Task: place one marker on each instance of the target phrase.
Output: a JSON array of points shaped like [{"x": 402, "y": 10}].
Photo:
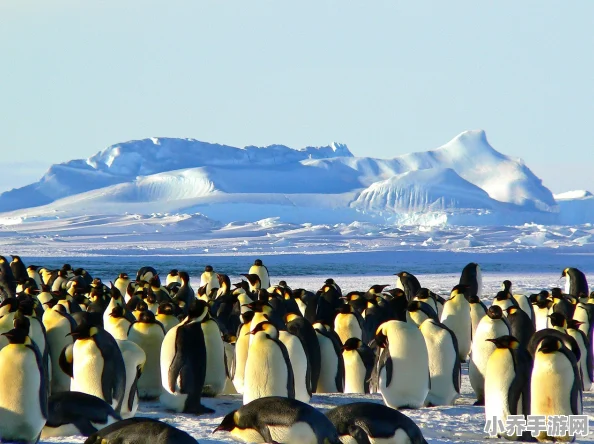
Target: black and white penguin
[
  {"x": 368, "y": 422},
  {"x": 75, "y": 413},
  {"x": 556, "y": 386},
  {"x": 172, "y": 277},
  {"x": 214, "y": 382},
  {"x": 121, "y": 283},
  {"x": 183, "y": 363},
  {"x": 561, "y": 303},
  {"x": 144, "y": 274},
  {"x": 241, "y": 350},
  {"x": 358, "y": 364},
  {"x": 504, "y": 300},
  {"x": 58, "y": 328},
  {"x": 166, "y": 316},
  {"x": 19, "y": 271},
  {"x": 331, "y": 378},
  {"x": 185, "y": 294},
  {"x": 299, "y": 364},
  {"x": 116, "y": 323},
  {"x": 585, "y": 363},
  {"x": 140, "y": 431},
  {"x": 268, "y": 370},
  {"x": 148, "y": 334},
  {"x": 507, "y": 381},
  {"x": 408, "y": 283},
  {"x": 23, "y": 390},
  {"x": 472, "y": 277},
  {"x": 418, "y": 311},
  {"x": 402, "y": 372},
  {"x": 427, "y": 296},
  {"x": 280, "y": 420},
  {"x": 348, "y": 323},
  {"x": 134, "y": 359},
  {"x": 95, "y": 363},
  {"x": 303, "y": 329},
  {"x": 260, "y": 269},
  {"x": 477, "y": 310},
  {"x": 209, "y": 279},
  {"x": 558, "y": 330},
  {"x": 456, "y": 317},
  {"x": 492, "y": 326},
  {"x": 444, "y": 363},
  {"x": 542, "y": 308},
  {"x": 520, "y": 324},
  {"x": 576, "y": 283}
]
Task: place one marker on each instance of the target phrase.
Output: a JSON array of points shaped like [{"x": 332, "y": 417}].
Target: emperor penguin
[
  {"x": 140, "y": 431},
  {"x": 75, "y": 413},
  {"x": 472, "y": 277},
  {"x": 148, "y": 334},
  {"x": 303, "y": 329},
  {"x": 281, "y": 420},
  {"x": 358, "y": 365},
  {"x": 576, "y": 283},
  {"x": 368, "y": 422},
  {"x": 331, "y": 378},
  {"x": 116, "y": 324},
  {"x": 456, "y": 317},
  {"x": 584, "y": 314},
  {"x": 185, "y": 294},
  {"x": 562, "y": 303},
  {"x": 402, "y": 371},
  {"x": 523, "y": 303},
  {"x": 260, "y": 269},
  {"x": 507, "y": 381},
  {"x": 444, "y": 363},
  {"x": 58, "y": 328},
  {"x": 542, "y": 308},
  {"x": 134, "y": 359},
  {"x": 491, "y": 326},
  {"x": 23, "y": 393},
  {"x": 585, "y": 362},
  {"x": 427, "y": 296},
  {"x": 121, "y": 283},
  {"x": 558, "y": 330},
  {"x": 166, "y": 316},
  {"x": 95, "y": 364},
  {"x": 214, "y": 382},
  {"x": 183, "y": 363},
  {"x": 477, "y": 310},
  {"x": 408, "y": 283},
  {"x": 241, "y": 350},
  {"x": 34, "y": 274},
  {"x": 209, "y": 279},
  {"x": 19, "y": 271},
  {"x": 60, "y": 282},
  {"x": 348, "y": 323},
  {"x": 144, "y": 274},
  {"x": 299, "y": 364},
  {"x": 418, "y": 311},
  {"x": 520, "y": 324},
  {"x": 555, "y": 386},
  {"x": 268, "y": 369},
  {"x": 504, "y": 300},
  {"x": 173, "y": 276}
]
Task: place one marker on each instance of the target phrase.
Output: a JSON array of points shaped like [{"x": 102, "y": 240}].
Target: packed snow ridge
[{"x": 464, "y": 182}]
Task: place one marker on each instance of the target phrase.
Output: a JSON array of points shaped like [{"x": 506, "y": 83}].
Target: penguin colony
[{"x": 77, "y": 355}]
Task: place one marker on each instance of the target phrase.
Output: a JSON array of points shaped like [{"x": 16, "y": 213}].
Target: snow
[
  {"x": 461, "y": 423},
  {"x": 575, "y": 194},
  {"x": 464, "y": 182}
]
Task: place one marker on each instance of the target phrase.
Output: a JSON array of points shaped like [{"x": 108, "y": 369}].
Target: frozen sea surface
[{"x": 461, "y": 423}]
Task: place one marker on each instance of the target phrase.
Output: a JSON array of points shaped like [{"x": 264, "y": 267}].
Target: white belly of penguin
[
  {"x": 498, "y": 379},
  {"x": 241, "y": 354},
  {"x": 442, "y": 359},
  {"x": 552, "y": 379},
  {"x": 328, "y": 367},
  {"x": 150, "y": 338},
  {"x": 216, "y": 375},
  {"x": 173, "y": 400},
  {"x": 265, "y": 370},
  {"x": 298, "y": 360},
  {"x": 87, "y": 369},
  {"x": 301, "y": 305},
  {"x": 355, "y": 372},
  {"x": 541, "y": 320},
  {"x": 298, "y": 433},
  {"x": 20, "y": 412},
  {"x": 400, "y": 437},
  {"x": 346, "y": 327},
  {"x": 457, "y": 318}
]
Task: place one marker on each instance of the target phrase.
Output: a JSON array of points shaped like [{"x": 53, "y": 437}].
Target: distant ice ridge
[{"x": 464, "y": 182}]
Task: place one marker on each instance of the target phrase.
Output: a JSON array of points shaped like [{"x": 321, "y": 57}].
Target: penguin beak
[{"x": 491, "y": 340}]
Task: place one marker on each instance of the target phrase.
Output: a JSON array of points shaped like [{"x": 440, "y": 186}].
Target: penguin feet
[
  {"x": 479, "y": 402},
  {"x": 198, "y": 410}
]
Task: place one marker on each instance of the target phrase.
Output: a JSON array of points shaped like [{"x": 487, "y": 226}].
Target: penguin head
[
  {"x": 426, "y": 309},
  {"x": 511, "y": 310},
  {"x": 114, "y": 292},
  {"x": 247, "y": 317},
  {"x": 345, "y": 309},
  {"x": 495, "y": 312},
  {"x": 173, "y": 272},
  {"x": 166, "y": 308},
  {"x": 541, "y": 300},
  {"x": 423, "y": 294},
  {"x": 197, "y": 310},
  {"x": 550, "y": 345},
  {"x": 564, "y": 272},
  {"x": 18, "y": 335},
  {"x": 474, "y": 299},
  {"x": 573, "y": 324},
  {"x": 506, "y": 341},
  {"x": 282, "y": 284},
  {"x": 228, "y": 423},
  {"x": 15, "y": 258},
  {"x": 32, "y": 268},
  {"x": 258, "y": 262},
  {"x": 184, "y": 276},
  {"x": 267, "y": 327},
  {"x": 506, "y": 285},
  {"x": 117, "y": 312},
  {"x": 352, "y": 344},
  {"x": 558, "y": 320},
  {"x": 460, "y": 289},
  {"x": 123, "y": 276},
  {"x": 253, "y": 279},
  {"x": 223, "y": 280},
  {"x": 557, "y": 293},
  {"x": 502, "y": 296},
  {"x": 381, "y": 339},
  {"x": 83, "y": 331},
  {"x": 208, "y": 269},
  {"x": 291, "y": 317},
  {"x": 26, "y": 306},
  {"x": 147, "y": 317},
  {"x": 62, "y": 273},
  {"x": 155, "y": 281},
  {"x": 260, "y": 306}
]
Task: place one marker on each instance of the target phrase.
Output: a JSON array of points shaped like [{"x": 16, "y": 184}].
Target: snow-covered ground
[{"x": 461, "y": 423}]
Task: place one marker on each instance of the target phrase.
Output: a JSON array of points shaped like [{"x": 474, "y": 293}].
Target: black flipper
[
  {"x": 134, "y": 389},
  {"x": 358, "y": 434},
  {"x": 65, "y": 364},
  {"x": 43, "y": 389},
  {"x": 113, "y": 378},
  {"x": 85, "y": 426}
]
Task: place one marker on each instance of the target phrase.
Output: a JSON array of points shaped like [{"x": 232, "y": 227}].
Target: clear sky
[{"x": 384, "y": 77}]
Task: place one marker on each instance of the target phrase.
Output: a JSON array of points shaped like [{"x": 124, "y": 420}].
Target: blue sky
[{"x": 384, "y": 77}]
